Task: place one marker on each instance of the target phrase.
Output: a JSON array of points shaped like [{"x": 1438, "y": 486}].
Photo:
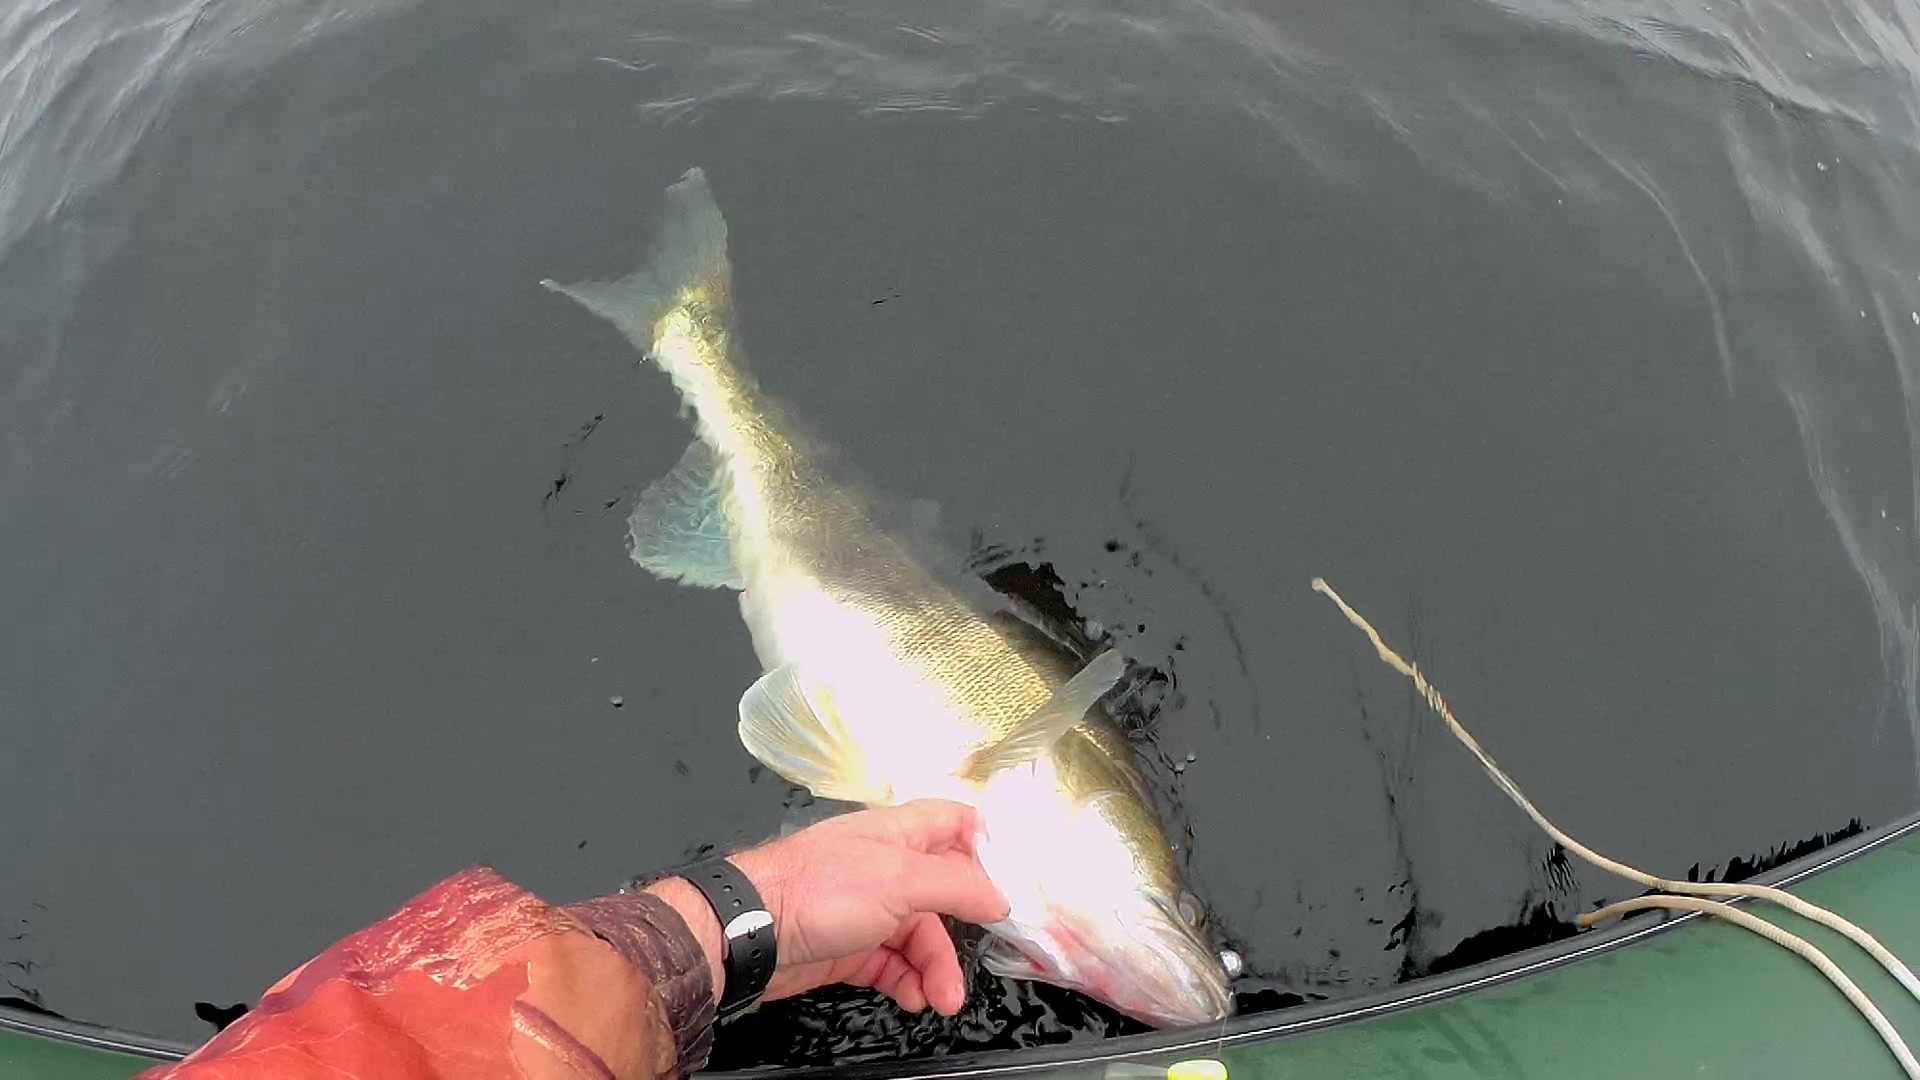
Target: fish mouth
[
  {"x": 1157, "y": 970},
  {"x": 1183, "y": 982}
]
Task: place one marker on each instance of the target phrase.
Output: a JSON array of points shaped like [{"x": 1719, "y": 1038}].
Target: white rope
[
  {"x": 1792, "y": 903},
  {"x": 1778, "y": 936}
]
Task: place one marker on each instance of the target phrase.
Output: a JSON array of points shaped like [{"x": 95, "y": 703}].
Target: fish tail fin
[{"x": 685, "y": 265}]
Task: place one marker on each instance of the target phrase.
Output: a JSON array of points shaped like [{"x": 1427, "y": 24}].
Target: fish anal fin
[
  {"x": 678, "y": 528},
  {"x": 790, "y": 727}
]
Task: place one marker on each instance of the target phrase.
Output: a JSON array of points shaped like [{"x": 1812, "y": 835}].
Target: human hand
[{"x": 857, "y": 899}]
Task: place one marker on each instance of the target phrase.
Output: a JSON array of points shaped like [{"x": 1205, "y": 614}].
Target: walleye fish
[{"x": 893, "y": 674}]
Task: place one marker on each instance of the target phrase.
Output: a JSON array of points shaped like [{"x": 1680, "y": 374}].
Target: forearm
[{"x": 477, "y": 978}]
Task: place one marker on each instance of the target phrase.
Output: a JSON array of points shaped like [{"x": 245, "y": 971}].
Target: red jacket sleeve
[{"x": 477, "y": 979}]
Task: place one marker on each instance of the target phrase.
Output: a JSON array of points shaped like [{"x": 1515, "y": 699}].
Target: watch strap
[{"x": 745, "y": 924}]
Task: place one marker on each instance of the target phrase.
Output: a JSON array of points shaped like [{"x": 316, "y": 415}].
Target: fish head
[
  {"x": 1148, "y": 963},
  {"x": 1097, "y": 905}
]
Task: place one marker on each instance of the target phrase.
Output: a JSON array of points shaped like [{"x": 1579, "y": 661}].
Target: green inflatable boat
[{"x": 1656, "y": 995}]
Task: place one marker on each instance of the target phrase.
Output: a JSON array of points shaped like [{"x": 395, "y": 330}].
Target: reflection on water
[{"x": 1576, "y": 342}]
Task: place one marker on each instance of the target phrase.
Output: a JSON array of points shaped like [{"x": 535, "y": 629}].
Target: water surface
[{"x": 1575, "y": 345}]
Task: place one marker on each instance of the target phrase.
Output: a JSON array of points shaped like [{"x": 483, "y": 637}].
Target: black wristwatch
[{"x": 745, "y": 924}]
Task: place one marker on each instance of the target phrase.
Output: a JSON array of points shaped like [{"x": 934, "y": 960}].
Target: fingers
[
  {"x": 950, "y": 883},
  {"x": 940, "y": 872},
  {"x": 897, "y": 979},
  {"x": 893, "y": 872},
  {"x": 934, "y": 825},
  {"x": 911, "y": 996},
  {"x": 929, "y": 949},
  {"x": 917, "y": 968},
  {"x": 885, "y": 969}
]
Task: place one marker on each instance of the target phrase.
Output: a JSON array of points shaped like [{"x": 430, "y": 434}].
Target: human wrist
[
  {"x": 725, "y": 917},
  {"x": 701, "y": 921},
  {"x": 761, "y": 865}
]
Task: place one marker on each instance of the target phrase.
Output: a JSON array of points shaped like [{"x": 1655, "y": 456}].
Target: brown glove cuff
[{"x": 655, "y": 939}]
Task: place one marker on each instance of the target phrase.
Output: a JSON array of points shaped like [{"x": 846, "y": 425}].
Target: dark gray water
[{"x": 1578, "y": 345}]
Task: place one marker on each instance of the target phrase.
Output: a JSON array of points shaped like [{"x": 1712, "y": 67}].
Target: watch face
[{"x": 748, "y": 922}]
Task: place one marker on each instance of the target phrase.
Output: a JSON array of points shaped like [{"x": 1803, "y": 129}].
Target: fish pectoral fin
[
  {"x": 1037, "y": 733},
  {"x": 1002, "y": 957},
  {"x": 678, "y": 528},
  {"x": 791, "y": 728}
]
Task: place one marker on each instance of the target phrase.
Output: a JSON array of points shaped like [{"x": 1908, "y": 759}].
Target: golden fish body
[{"x": 891, "y": 673}]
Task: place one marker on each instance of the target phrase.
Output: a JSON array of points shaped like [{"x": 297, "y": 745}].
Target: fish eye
[
  {"x": 1188, "y": 907},
  {"x": 1232, "y": 963}
]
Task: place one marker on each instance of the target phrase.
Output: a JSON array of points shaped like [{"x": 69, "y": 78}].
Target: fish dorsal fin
[
  {"x": 791, "y": 728},
  {"x": 678, "y": 528},
  {"x": 1037, "y": 733}
]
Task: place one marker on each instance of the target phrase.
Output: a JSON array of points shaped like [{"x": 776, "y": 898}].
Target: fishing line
[{"x": 1693, "y": 892}]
